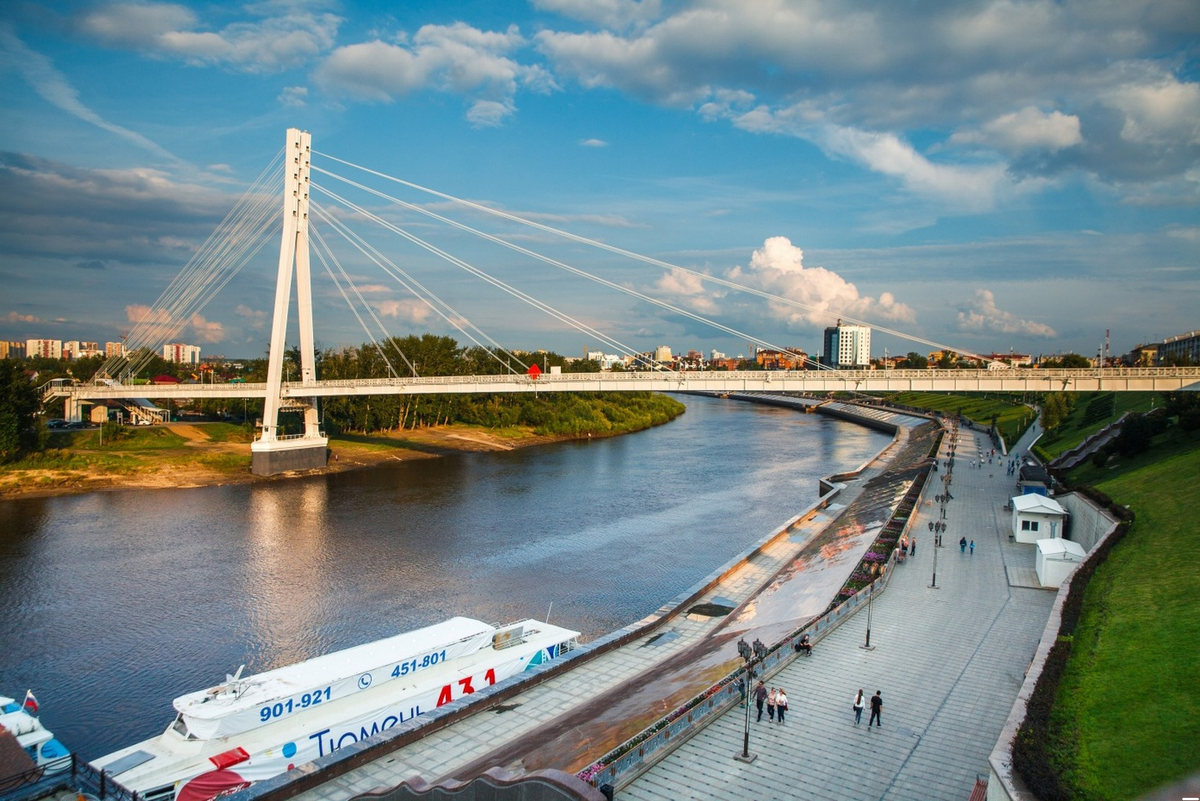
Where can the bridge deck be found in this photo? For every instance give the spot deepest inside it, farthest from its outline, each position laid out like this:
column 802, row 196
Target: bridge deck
column 1132, row 379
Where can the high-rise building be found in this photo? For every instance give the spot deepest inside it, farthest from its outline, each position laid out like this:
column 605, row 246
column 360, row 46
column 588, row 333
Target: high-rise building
column 50, row 348
column 182, row 354
column 112, row 349
column 12, row 350
column 847, row 347
column 829, row 348
column 76, row 349
column 1183, row 347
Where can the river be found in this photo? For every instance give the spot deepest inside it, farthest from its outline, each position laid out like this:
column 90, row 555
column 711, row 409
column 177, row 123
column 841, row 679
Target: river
column 114, row 603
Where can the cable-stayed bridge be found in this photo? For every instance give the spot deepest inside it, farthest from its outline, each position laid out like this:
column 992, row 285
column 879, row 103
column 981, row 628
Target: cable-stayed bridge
column 244, row 232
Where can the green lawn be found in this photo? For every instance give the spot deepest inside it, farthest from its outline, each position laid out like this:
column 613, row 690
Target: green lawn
column 227, row 432
column 1127, row 713
column 1085, row 418
column 1012, row 416
column 131, row 438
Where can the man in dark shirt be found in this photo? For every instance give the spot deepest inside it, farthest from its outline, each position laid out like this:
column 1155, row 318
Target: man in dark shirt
column 760, row 696
column 876, row 709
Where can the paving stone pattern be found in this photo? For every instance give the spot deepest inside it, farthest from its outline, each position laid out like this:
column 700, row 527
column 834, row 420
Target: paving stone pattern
column 948, row 661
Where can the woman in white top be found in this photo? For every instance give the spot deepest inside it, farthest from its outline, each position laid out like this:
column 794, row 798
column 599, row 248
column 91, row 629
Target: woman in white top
column 858, row 707
column 781, row 704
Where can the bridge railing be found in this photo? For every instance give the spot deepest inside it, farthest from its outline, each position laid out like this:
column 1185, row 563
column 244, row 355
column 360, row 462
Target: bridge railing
column 1013, row 379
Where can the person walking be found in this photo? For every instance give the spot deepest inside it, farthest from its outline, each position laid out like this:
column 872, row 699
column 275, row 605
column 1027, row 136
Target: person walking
column 742, row 690
column 771, row 703
column 781, row 704
column 972, row 547
column 760, row 698
column 859, row 704
column 912, row 547
column 962, row 545
column 876, row 710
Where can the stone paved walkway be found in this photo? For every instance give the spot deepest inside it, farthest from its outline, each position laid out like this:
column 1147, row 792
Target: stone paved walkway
column 949, row 663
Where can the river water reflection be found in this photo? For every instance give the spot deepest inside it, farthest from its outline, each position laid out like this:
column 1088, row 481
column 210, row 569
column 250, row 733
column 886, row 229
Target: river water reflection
column 115, row 603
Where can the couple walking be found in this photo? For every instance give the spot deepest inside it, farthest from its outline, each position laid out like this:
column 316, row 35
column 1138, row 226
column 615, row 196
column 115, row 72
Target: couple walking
column 876, row 709
column 776, row 701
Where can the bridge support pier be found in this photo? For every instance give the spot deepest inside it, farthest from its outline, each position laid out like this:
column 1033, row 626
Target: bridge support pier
column 280, row 456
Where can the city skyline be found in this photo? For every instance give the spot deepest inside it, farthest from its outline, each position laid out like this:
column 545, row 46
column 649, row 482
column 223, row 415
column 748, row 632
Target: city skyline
column 990, row 177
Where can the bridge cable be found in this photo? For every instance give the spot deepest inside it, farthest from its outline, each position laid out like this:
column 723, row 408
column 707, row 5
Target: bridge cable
column 321, row 250
column 180, row 294
column 556, row 263
column 650, row 259
column 429, row 298
column 529, row 299
column 227, row 249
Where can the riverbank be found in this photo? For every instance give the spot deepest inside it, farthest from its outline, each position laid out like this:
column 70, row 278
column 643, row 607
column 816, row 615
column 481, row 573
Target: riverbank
column 182, row 455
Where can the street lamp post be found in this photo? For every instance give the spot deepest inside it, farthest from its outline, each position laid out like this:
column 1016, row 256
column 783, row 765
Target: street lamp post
column 933, row 584
column 870, row 597
column 748, row 656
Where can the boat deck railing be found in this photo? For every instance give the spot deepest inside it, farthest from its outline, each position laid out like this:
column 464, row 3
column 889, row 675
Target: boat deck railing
column 97, row 782
column 38, row 781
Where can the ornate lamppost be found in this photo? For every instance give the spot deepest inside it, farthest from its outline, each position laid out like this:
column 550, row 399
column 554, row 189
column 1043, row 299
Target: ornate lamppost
column 747, row 655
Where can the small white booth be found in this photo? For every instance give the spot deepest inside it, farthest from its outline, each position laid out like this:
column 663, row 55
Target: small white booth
column 1056, row 559
column 1036, row 517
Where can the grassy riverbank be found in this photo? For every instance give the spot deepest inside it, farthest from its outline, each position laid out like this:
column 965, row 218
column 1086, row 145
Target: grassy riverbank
column 1010, row 415
column 1090, row 412
column 1126, row 717
column 191, row 455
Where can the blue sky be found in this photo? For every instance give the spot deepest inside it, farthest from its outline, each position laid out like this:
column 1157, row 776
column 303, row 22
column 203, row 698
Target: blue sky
column 989, row 175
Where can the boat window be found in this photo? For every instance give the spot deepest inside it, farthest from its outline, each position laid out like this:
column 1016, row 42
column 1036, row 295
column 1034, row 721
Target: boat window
column 508, row 638
column 180, row 728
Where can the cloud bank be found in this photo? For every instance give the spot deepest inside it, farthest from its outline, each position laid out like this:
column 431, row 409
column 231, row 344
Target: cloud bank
column 980, row 315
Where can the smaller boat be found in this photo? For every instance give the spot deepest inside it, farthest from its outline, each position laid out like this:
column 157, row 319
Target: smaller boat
column 28, row 750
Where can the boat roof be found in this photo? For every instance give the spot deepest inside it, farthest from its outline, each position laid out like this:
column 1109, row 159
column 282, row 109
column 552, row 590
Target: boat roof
column 251, row 691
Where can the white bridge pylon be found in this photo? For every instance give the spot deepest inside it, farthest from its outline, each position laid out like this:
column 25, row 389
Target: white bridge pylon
column 273, row 452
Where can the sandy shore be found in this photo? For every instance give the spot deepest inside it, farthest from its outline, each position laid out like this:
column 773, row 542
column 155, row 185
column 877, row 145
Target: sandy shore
column 201, row 462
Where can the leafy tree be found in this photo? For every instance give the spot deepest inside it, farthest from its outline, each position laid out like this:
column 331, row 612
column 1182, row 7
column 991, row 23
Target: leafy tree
column 19, row 403
column 1136, row 434
column 1068, row 360
column 913, row 361
column 947, row 360
column 1055, row 407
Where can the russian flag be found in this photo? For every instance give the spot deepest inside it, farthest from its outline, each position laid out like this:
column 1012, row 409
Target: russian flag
column 30, row 702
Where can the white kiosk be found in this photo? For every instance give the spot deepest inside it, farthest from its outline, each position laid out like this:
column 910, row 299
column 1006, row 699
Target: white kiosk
column 1036, row 517
column 1056, row 559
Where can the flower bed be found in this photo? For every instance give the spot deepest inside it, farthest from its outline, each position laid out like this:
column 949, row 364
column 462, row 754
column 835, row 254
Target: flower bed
column 873, row 561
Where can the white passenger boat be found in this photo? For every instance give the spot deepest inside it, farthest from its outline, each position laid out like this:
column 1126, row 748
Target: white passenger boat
column 251, row 728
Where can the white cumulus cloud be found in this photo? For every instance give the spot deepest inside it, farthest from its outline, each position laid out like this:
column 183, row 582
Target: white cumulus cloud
column 207, row 331
column 981, row 315
column 412, row 311
column 167, row 30
column 778, row 267
column 1027, row 129
column 454, row 58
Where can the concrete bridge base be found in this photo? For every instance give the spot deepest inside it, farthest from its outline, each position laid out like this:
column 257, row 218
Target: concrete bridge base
column 269, row 458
